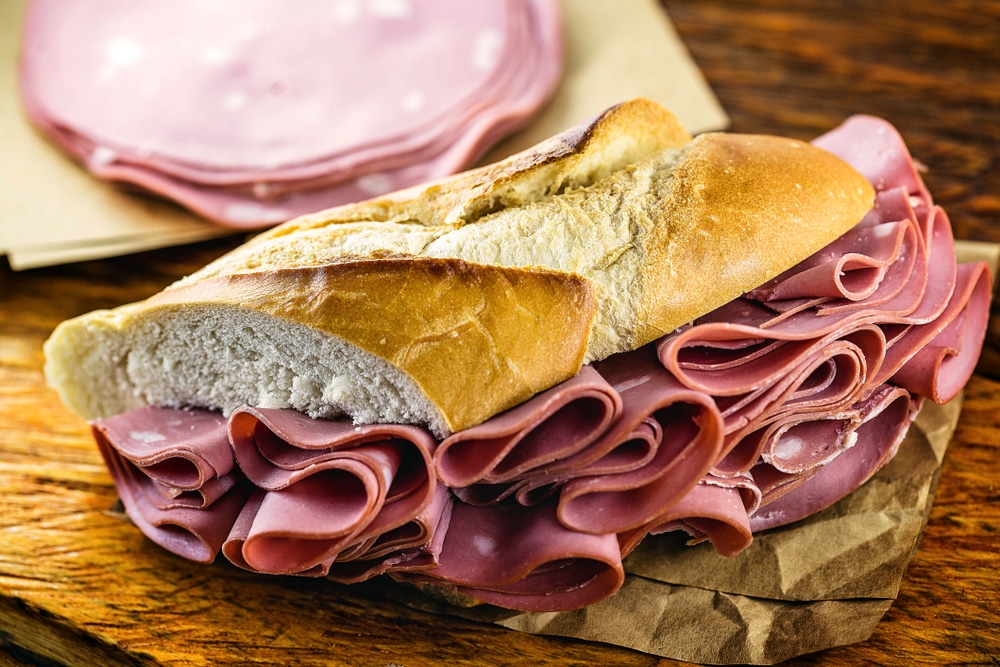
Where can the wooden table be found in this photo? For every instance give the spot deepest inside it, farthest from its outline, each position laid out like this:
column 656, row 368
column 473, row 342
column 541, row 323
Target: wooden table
column 793, row 67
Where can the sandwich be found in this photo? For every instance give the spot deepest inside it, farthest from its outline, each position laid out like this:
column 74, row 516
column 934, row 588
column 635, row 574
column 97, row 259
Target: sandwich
column 494, row 386
column 274, row 113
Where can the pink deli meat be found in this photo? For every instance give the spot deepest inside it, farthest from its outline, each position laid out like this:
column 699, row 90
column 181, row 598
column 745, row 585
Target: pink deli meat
column 327, row 487
column 251, row 113
column 175, row 474
column 757, row 415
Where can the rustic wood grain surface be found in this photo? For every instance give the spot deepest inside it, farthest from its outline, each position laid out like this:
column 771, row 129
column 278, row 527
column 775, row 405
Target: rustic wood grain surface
column 792, row 67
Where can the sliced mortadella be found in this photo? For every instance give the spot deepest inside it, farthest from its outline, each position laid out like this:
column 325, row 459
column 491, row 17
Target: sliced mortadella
column 885, row 262
column 875, row 148
column 182, row 449
column 941, row 355
column 715, row 510
column 524, row 558
column 549, row 427
column 413, row 547
column 739, row 360
column 167, row 497
column 852, row 267
column 837, row 376
column 329, row 484
column 624, row 453
column 800, row 445
column 274, row 447
column 904, row 278
column 232, row 546
column 195, row 533
column 243, row 61
column 885, row 418
column 742, row 347
column 309, row 522
column 270, row 137
column 690, row 430
column 930, row 287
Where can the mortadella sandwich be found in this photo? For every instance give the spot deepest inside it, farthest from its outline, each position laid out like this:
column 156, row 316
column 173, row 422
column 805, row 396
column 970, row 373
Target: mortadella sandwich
column 499, row 383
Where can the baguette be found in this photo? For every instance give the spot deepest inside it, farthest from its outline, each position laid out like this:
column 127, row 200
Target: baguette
column 447, row 303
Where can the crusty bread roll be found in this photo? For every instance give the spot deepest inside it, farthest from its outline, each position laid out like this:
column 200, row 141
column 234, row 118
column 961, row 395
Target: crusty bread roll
column 447, row 303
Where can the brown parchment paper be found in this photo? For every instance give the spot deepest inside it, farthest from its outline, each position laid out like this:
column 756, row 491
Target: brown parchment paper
column 52, row 211
column 822, row 582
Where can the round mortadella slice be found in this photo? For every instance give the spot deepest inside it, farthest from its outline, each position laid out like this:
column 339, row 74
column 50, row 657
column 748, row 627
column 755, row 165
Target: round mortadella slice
column 252, row 112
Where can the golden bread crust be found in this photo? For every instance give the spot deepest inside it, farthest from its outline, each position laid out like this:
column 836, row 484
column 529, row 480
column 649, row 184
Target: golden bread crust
column 743, row 209
column 481, row 289
column 459, row 330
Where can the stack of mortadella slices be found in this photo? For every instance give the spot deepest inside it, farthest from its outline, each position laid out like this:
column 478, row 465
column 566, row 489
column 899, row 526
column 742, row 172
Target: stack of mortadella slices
column 249, row 113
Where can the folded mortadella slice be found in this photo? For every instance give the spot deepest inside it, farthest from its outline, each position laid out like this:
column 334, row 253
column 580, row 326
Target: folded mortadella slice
column 195, row 532
column 413, row 547
column 875, row 148
column 548, row 428
column 182, row 449
column 942, row 354
column 180, row 458
column 327, row 484
column 597, row 498
column 275, row 447
column 900, row 282
column 743, row 346
column 738, row 359
column 716, row 509
column 657, row 430
column 885, row 418
column 853, row 267
column 837, row 375
column 626, row 451
column 306, row 523
column 524, row 558
column 235, row 539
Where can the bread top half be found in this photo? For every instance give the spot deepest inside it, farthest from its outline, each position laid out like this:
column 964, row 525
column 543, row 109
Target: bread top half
column 468, row 295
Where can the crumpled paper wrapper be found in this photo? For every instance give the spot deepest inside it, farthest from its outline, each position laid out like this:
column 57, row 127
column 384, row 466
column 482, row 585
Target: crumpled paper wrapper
column 822, row 582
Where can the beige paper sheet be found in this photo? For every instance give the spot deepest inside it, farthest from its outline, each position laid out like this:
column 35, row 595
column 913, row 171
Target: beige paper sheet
column 52, row 211
column 780, row 598
column 616, row 51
